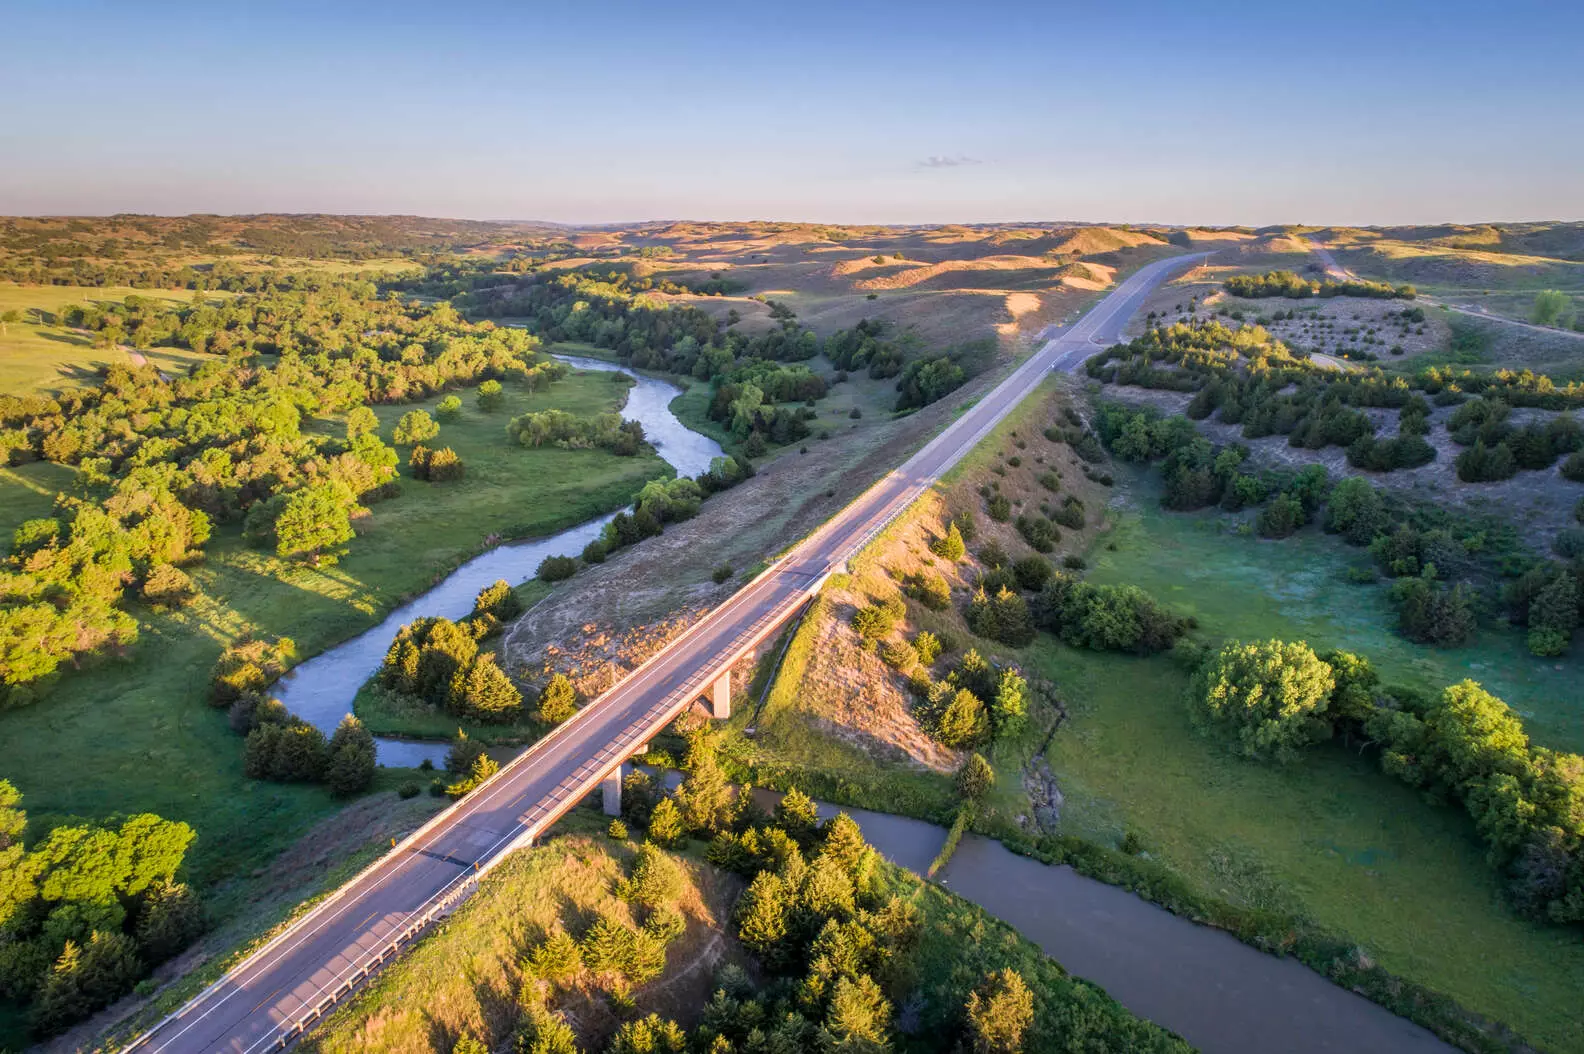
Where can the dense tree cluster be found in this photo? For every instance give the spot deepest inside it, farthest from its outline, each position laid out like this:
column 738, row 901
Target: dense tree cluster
column 974, row 705
column 167, row 458
column 633, row 316
column 281, row 746
column 570, row 432
column 87, row 910
column 867, row 346
column 1527, row 802
column 925, row 380
column 439, row 661
column 1271, row 699
column 1288, row 284
column 837, row 951
column 1104, row 617
column 1243, row 376
column 1432, row 553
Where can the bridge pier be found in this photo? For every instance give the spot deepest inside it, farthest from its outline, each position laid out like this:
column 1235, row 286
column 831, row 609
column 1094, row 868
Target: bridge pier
column 610, row 791
column 720, row 696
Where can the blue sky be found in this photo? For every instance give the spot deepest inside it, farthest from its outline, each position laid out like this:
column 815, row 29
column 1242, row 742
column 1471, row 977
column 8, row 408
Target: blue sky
column 979, row 111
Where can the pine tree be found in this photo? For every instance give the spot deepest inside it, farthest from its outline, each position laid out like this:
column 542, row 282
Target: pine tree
column 557, row 702
column 484, row 691
column 462, row 755
column 350, row 769
column 1009, row 709
column 169, row 920
column 1000, row 1011
column 963, row 722
column 975, row 778
column 844, row 844
column 665, row 824
column 951, row 547
column 860, row 1016
column 797, row 815
column 705, row 797
column 556, row 960
column 762, row 917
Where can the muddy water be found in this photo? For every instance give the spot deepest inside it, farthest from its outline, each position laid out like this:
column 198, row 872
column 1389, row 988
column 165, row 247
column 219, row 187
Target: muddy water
column 321, row 690
column 1216, row 992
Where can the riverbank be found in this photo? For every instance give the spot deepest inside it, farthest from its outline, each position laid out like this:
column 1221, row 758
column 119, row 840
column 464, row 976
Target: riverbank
column 324, row 689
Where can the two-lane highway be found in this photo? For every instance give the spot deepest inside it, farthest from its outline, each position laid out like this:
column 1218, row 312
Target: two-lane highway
column 260, row 1004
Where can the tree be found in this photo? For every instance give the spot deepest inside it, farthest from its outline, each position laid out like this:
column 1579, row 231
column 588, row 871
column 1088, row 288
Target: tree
column 1268, row 698
column 1554, row 615
column 705, row 797
column 1551, row 308
column 449, row 407
column 1356, row 511
column 649, row 1035
column 360, row 420
column 975, row 778
column 963, row 722
column 762, row 917
column 1281, row 517
column 797, row 815
column 484, row 691
column 315, row 523
column 415, row 426
column 1009, row 707
column 859, row 1018
column 169, row 919
column 351, row 758
column 490, row 397
column 1431, row 613
column 557, row 701
column 462, row 755
column 999, row 1012
column 483, row 768
column 499, row 600
column 951, row 547
column 1353, row 698
column 665, row 824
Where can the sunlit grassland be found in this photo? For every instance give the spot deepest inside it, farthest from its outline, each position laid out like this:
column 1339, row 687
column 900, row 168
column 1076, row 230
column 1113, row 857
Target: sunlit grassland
column 133, row 733
column 1330, row 837
column 39, row 357
column 1239, row 586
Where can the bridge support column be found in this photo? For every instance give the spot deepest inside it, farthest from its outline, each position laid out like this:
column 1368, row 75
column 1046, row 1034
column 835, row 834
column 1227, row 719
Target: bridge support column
column 720, row 697
column 610, row 792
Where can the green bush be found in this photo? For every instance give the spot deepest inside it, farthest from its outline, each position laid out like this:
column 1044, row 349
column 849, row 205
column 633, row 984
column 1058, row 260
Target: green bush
column 557, row 568
column 1268, row 698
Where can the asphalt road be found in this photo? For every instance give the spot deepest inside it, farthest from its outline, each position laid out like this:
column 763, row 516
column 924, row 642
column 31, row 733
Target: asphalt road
column 310, row 964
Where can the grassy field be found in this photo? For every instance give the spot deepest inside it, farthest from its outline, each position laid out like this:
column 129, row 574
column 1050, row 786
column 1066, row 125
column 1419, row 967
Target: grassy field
column 37, row 357
column 1331, row 838
column 1240, row 586
column 133, row 733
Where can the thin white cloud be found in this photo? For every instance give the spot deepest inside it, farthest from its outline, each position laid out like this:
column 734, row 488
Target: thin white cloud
column 945, row 161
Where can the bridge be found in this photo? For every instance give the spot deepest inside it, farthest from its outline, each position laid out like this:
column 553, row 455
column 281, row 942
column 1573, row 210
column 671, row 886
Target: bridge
column 271, row 997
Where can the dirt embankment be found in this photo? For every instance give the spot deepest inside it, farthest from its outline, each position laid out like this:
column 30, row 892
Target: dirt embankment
column 847, row 691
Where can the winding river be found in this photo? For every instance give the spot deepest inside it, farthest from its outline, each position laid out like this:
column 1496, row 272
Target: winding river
column 1218, row 993
column 321, row 690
